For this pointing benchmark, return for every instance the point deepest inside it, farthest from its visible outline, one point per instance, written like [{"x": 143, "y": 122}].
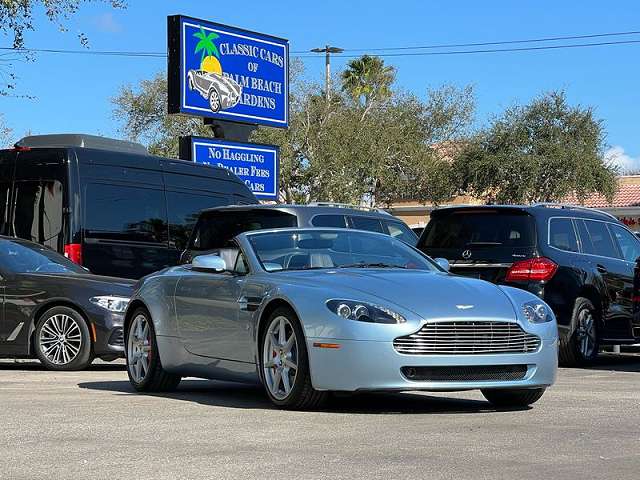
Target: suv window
[
  {"x": 117, "y": 212},
  {"x": 401, "y": 232},
  {"x": 628, "y": 243},
  {"x": 366, "y": 223},
  {"x": 333, "y": 221},
  {"x": 562, "y": 235},
  {"x": 486, "y": 228},
  {"x": 216, "y": 229},
  {"x": 601, "y": 239}
]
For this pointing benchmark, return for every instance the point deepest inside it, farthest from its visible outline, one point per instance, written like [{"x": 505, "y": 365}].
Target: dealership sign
[
  {"x": 227, "y": 73},
  {"x": 255, "y": 164}
]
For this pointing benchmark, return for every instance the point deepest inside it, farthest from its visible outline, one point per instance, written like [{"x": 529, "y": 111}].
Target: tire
[
  {"x": 62, "y": 340},
  {"x": 513, "y": 397},
  {"x": 144, "y": 367},
  {"x": 571, "y": 349},
  {"x": 300, "y": 394},
  {"x": 214, "y": 101}
]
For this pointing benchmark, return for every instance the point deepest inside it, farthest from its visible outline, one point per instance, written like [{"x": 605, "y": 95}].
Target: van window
[
  {"x": 116, "y": 212},
  {"x": 401, "y": 232},
  {"x": 601, "y": 239},
  {"x": 332, "y": 221},
  {"x": 369, "y": 224},
  {"x": 217, "y": 229},
  {"x": 485, "y": 228},
  {"x": 562, "y": 234},
  {"x": 627, "y": 242},
  {"x": 38, "y": 214},
  {"x": 184, "y": 210}
]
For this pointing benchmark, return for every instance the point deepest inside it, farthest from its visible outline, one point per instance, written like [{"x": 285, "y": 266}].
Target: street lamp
[{"x": 327, "y": 50}]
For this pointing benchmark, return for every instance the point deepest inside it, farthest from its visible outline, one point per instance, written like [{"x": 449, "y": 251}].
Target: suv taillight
[
  {"x": 537, "y": 269},
  {"x": 73, "y": 251}
]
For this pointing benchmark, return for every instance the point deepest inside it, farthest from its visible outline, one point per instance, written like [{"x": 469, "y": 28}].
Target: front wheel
[
  {"x": 62, "y": 340},
  {"x": 143, "y": 361},
  {"x": 214, "y": 100},
  {"x": 513, "y": 397},
  {"x": 285, "y": 364}
]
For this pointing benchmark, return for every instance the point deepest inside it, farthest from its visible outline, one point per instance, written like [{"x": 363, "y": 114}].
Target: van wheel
[
  {"x": 582, "y": 346},
  {"x": 62, "y": 340}
]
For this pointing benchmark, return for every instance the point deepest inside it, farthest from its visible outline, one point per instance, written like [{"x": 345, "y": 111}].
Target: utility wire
[{"x": 306, "y": 54}]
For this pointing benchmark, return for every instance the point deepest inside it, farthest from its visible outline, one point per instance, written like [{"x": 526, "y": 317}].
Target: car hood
[{"x": 428, "y": 294}]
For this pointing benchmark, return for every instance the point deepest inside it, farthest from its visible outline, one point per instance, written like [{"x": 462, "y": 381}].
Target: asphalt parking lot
[{"x": 91, "y": 425}]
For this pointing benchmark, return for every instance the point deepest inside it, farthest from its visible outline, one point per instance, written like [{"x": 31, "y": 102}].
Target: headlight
[
  {"x": 364, "y": 312},
  {"x": 536, "y": 312},
  {"x": 111, "y": 303}
]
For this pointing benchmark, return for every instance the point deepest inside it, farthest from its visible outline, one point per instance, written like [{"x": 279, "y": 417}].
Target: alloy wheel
[
  {"x": 60, "y": 339},
  {"x": 586, "y": 333},
  {"x": 139, "y": 348},
  {"x": 280, "y": 357}
]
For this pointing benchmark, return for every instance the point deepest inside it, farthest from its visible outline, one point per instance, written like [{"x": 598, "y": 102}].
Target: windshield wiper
[
  {"x": 306, "y": 267},
  {"x": 370, "y": 265}
]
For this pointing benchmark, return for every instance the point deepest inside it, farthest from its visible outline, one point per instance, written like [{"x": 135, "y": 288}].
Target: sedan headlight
[
  {"x": 536, "y": 312},
  {"x": 364, "y": 312},
  {"x": 111, "y": 302}
]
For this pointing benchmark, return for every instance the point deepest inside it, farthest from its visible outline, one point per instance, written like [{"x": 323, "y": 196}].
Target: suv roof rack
[
  {"x": 572, "y": 207},
  {"x": 81, "y": 140},
  {"x": 346, "y": 205}
]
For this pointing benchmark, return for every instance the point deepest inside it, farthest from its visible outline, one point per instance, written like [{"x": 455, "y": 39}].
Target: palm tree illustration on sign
[{"x": 222, "y": 92}]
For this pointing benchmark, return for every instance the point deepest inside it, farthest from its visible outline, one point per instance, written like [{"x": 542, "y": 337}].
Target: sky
[{"x": 73, "y": 92}]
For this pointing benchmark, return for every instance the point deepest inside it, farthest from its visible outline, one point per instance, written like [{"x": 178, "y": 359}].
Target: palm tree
[
  {"x": 208, "y": 48},
  {"x": 368, "y": 79}
]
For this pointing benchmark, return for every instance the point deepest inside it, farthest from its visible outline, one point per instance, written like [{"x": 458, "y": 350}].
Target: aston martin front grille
[
  {"x": 467, "y": 338},
  {"x": 471, "y": 373}
]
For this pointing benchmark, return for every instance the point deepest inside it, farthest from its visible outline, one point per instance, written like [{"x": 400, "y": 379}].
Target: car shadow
[
  {"x": 35, "y": 366},
  {"x": 616, "y": 362},
  {"x": 234, "y": 395}
]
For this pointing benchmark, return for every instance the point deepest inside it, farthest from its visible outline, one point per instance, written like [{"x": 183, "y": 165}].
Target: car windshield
[
  {"x": 26, "y": 258},
  {"x": 322, "y": 249}
]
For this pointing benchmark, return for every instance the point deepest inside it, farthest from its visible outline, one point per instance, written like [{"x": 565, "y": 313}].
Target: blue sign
[
  {"x": 257, "y": 165},
  {"x": 227, "y": 73}
]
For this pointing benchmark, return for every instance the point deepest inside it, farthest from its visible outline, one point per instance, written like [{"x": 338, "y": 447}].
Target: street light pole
[{"x": 327, "y": 50}]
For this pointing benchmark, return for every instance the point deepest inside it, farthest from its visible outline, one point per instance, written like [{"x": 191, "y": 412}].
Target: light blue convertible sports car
[{"x": 311, "y": 311}]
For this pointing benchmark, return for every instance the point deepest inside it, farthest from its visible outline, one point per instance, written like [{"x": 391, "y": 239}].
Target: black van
[{"x": 107, "y": 204}]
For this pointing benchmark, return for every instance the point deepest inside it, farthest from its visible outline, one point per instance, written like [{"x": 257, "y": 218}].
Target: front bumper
[
  {"x": 376, "y": 365},
  {"x": 109, "y": 340}
]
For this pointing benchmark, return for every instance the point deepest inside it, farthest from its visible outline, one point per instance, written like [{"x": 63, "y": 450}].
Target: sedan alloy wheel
[{"x": 60, "y": 339}]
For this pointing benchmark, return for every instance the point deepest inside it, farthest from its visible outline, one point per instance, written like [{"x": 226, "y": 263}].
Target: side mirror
[
  {"x": 444, "y": 263},
  {"x": 209, "y": 263}
]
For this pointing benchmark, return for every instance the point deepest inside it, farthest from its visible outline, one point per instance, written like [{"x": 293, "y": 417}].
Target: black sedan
[{"x": 57, "y": 311}]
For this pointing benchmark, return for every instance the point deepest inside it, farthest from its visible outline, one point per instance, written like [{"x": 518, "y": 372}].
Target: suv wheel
[{"x": 582, "y": 346}]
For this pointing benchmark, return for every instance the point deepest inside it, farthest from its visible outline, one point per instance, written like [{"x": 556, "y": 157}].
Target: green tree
[
  {"x": 142, "y": 114},
  {"x": 368, "y": 80},
  {"x": 539, "y": 152}
]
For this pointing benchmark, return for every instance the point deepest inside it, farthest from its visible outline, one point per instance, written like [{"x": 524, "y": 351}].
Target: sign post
[{"x": 255, "y": 164}]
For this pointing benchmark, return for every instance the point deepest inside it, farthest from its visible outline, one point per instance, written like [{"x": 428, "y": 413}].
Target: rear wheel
[
  {"x": 143, "y": 361},
  {"x": 62, "y": 340},
  {"x": 582, "y": 346},
  {"x": 285, "y": 363},
  {"x": 513, "y": 397}
]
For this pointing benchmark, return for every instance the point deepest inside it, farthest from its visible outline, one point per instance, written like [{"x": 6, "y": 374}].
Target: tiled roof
[{"x": 627, "y": 195}]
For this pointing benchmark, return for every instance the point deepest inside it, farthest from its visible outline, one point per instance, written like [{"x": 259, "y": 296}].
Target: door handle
[{"x": 601, "y": 268}]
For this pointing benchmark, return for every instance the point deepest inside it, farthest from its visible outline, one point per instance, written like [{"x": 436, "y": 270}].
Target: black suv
[
  {"x": 580, "y": 261},
  {"x": 217, "y": 226}
]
